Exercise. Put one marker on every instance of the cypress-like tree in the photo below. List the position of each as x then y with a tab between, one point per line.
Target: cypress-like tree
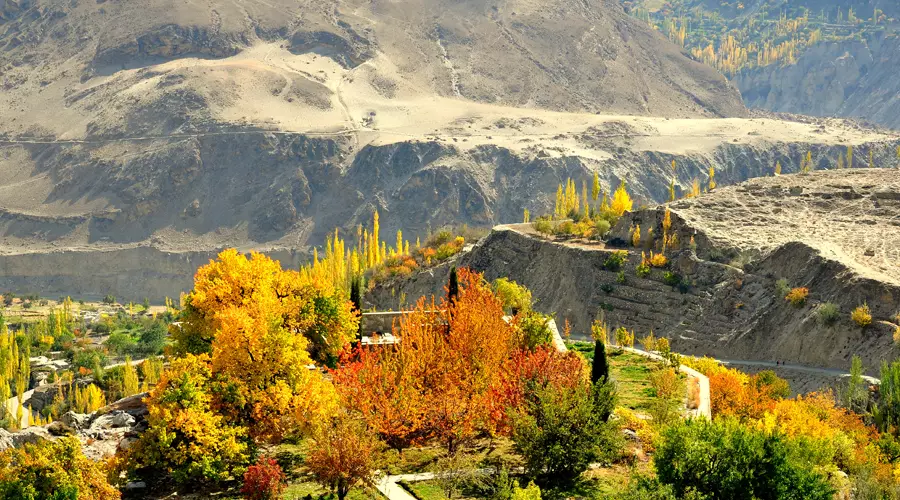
355	293
600	367
453	286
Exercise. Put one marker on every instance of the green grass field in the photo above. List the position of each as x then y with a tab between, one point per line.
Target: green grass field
631	373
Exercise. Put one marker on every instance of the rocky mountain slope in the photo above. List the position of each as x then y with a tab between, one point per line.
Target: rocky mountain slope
835	233
856	78
138	138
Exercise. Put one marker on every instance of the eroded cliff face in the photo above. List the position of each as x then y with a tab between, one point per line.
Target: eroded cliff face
721	297
851	79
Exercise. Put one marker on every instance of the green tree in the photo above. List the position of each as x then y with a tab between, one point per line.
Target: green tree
561	430
453	286
723	459
856	397
600	365
514	296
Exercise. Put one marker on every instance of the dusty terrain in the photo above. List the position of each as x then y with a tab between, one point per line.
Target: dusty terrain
812	230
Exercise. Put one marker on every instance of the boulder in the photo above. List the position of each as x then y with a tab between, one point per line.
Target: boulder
59	428
75	420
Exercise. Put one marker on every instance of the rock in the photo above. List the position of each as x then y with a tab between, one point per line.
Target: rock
59	428
75	420
123	420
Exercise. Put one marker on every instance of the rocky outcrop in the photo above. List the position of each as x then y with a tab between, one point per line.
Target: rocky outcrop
719	296
854	78
103	433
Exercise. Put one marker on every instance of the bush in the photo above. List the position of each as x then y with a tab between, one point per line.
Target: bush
565	228
672	279
767	382
514	296
782	288
534	329
724	459
658	260
601	227
616	260
53	470
828	313
797	296
263	481
543	226
862	316
642	270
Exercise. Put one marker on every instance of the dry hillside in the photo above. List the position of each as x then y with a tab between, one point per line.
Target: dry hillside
835	233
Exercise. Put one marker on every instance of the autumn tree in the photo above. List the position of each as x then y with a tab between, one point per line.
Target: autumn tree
265	323
130	379
185	436
343	454
435	382
621	201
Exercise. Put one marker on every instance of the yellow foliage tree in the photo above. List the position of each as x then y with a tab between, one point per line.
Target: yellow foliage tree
130	378
621	202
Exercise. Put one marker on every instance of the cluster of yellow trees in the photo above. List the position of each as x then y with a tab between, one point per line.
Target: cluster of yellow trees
15	371
569	203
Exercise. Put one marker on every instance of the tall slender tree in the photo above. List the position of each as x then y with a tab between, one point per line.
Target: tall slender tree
600	366
453	286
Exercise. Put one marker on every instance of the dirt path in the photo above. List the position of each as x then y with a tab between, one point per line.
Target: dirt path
828	372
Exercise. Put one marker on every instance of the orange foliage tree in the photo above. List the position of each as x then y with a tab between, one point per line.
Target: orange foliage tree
436	383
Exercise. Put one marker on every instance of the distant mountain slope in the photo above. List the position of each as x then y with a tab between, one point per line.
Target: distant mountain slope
854	78
816	57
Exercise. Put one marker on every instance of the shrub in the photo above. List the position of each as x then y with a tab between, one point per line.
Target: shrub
623	337
616	260
565	228
648	342
797	296
514	296
620	278
672	279
862	316
767	382
667	390
601	227
828	313
782	288
531	492
642	270
534	329
54	470
658	260
543	226
263	481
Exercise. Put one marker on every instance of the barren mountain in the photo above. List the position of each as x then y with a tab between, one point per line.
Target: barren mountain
140	137
835	233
